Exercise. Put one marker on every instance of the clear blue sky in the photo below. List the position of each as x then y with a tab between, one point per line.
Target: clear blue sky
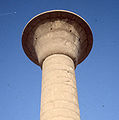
97	76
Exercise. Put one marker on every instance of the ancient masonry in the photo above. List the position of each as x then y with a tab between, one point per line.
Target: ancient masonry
58	41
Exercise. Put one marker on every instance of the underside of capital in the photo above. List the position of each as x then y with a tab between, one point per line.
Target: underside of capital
57	32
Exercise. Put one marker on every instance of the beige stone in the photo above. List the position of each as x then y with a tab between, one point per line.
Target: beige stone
58	41
59	93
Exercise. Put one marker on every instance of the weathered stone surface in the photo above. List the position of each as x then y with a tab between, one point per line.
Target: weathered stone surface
59	98
57	32
58	41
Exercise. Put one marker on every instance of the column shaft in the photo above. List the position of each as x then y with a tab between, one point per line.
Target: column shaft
59	100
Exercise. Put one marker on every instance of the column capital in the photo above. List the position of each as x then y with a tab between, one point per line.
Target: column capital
57	32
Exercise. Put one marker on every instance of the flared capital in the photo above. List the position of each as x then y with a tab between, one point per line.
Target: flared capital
57	32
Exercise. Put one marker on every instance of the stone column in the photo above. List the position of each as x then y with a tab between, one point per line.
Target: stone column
58	41
59	100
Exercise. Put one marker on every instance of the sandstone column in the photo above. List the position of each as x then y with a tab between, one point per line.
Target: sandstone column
59	100
58	41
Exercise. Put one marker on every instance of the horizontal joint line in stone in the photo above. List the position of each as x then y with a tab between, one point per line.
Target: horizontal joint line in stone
46	80
45	112
51	101
60	116
68	92
58	83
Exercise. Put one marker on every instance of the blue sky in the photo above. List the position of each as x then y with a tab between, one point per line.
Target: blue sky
97	76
